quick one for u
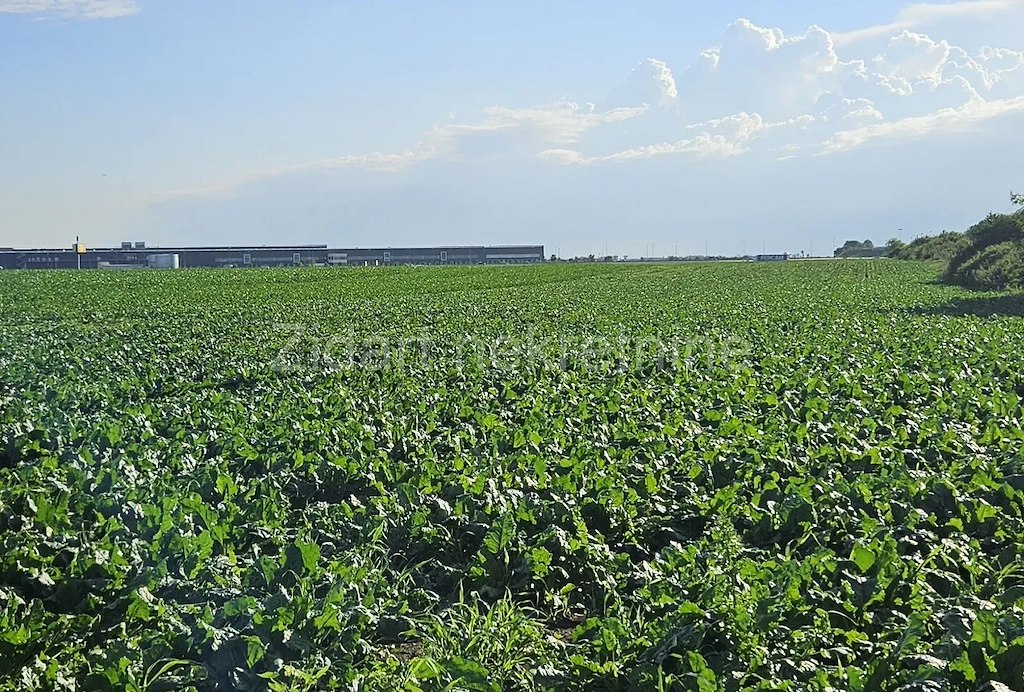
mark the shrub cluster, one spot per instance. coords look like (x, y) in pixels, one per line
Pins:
(988, 256)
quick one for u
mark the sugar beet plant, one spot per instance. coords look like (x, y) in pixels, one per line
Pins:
(712, 477)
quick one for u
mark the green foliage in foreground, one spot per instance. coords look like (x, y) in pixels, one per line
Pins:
(820, 485)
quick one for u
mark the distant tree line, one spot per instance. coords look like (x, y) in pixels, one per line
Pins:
(858, 248)
(989, 255)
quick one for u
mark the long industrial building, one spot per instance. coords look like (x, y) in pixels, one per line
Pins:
(137, 255)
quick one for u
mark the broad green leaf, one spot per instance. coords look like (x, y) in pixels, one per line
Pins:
(863, 557)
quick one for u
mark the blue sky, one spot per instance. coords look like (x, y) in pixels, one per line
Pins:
(581, 125)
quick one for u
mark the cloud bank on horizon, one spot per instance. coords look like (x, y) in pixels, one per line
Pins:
(800, 127)
(758, 90)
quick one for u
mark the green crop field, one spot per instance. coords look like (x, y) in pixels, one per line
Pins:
(594, 477)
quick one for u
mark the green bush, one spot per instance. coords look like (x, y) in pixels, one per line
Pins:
(993, 259)
(995, 229)
(996, 267)
(942, 247)
(989, 256)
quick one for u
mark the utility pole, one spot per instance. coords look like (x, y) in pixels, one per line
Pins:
(78, 254)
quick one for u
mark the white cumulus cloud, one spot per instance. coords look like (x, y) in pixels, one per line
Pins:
(761, 70)
(757, 94)
(651, 83)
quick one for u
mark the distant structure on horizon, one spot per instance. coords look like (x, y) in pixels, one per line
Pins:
(138, 256)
